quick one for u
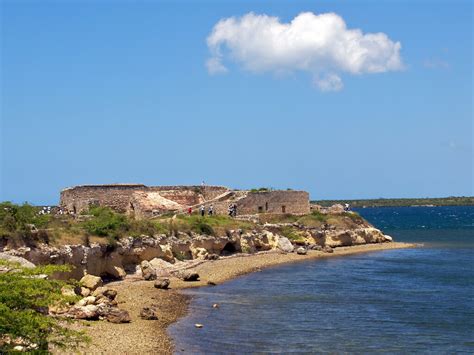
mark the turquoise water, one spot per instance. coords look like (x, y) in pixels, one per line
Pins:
(397, 301)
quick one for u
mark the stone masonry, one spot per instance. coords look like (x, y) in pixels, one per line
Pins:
(148, 201)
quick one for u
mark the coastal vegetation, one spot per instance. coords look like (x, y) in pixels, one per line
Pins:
(25, 296)
(25, 225)
(401, 202)
(101, 244)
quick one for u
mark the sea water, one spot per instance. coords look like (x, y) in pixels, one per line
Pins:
(397, 301)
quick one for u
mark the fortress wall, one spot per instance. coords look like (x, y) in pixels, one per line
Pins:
(120, 196)
(189, 195)
(277, 202)
(79, 198)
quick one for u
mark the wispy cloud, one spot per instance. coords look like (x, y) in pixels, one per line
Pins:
(321, 45)
(436, 63)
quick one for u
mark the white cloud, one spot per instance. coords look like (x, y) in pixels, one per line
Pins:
(436, 63)
(215, 66)
(319, 44)
(329, 82)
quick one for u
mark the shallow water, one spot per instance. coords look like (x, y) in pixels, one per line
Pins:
(396, 301)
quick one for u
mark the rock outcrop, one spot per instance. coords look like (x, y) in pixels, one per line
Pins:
(91, 282)
(160, 255)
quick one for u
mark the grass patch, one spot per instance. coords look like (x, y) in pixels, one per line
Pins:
(292, 234)
(277, 218)
(210, 225)
(314, 220)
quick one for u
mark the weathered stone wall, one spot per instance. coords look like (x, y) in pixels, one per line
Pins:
(79, 198)
(126, 197)
(189, 195)
(276, 202)
(145, 201)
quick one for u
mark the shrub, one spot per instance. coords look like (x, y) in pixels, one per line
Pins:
(105, 222)
(24, 298)
(292, 234)
(15, 219)
(314, 219)
(203, 228)
(261, 189)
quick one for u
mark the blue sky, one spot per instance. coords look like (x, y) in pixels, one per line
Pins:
(103, 92)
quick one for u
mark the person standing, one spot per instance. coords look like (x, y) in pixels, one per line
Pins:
(190, 211)
(203, 211)
(211, 210)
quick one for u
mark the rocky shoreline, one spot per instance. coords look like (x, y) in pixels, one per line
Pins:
(134, 294)
(128, 287)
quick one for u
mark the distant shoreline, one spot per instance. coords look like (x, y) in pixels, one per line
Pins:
(145, 336)
(401, 202)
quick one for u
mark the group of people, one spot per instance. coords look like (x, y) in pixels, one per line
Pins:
(202, 210)
(232, 210)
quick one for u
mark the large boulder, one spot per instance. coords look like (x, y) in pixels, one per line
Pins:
(285, 245)
(301, 251)
(116, 272)
(86, 301)
(161, 267)
(162, 283)
(148, 272)
(91, 282)
(148, 313)
(336, 209)
(188, 275)
(115, 315)
(328, 249)
(349, 237)
(105, 296)
(84, 312)
(105, 292)
(17, 260)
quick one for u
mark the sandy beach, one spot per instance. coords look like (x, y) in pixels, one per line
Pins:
(150, 336)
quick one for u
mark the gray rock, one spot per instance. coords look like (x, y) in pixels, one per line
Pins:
(16, 259)
(315, 247)
(84, 312)
(162, 283)
(211, 257)
(285, 245)
(91, 282)
(105, 292)
(301, 251)
(148, 272)
(148, 313)
(328, 249)
(115, 315)
(188, 275)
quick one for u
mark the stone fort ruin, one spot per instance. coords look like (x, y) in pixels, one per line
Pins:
(148, 201)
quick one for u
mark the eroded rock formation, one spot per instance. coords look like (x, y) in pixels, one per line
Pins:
(154, 256)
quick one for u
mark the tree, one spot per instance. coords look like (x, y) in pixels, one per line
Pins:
(25, 295)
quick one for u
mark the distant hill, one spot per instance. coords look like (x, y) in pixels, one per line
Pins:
(399, 202)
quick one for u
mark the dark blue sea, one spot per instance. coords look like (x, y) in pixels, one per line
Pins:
(397, 301)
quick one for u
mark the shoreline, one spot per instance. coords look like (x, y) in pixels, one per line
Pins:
(151, 336)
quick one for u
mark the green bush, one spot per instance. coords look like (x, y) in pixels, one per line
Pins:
(261, 189)
(24, 298)
(292, 234)
(106, 223)
(15, 219)
(203, 228)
